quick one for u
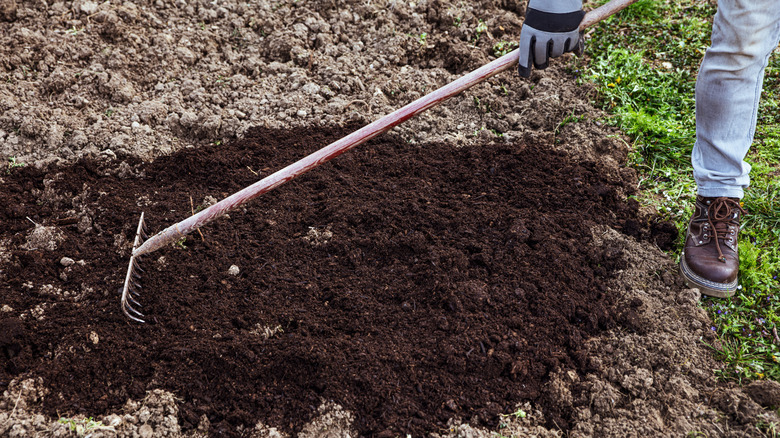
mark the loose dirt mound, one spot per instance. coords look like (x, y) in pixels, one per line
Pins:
(409, 284)
(86, 78)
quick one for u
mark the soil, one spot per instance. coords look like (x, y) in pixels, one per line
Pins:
(403, 282)
(483, 259)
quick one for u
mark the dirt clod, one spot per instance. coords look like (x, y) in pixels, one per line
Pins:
(765, 392)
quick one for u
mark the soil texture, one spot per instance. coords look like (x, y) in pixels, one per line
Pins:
(479, 270)
(409, 284)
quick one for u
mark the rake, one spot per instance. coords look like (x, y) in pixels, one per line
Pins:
(131, 287)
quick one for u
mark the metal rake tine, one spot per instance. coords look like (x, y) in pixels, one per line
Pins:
(127, 300)
(130, 284)
(133, 301)
(129, 311)
(137, 271)
(137, 264)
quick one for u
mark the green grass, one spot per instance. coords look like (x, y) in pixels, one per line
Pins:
(644, 62)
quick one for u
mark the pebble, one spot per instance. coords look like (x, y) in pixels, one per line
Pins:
(146, 431)
(233, 270)
(186, 55)
(301, 113)
(311, 88)
(112, 420)
(67, 261)
(89, 7)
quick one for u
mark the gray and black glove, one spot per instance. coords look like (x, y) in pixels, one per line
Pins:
(551, 28)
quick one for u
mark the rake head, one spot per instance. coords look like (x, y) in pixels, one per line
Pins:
(134, 271)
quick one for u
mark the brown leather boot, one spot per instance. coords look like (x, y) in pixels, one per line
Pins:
(710, 259)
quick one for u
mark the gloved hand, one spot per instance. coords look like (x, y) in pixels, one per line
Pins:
(551, 28)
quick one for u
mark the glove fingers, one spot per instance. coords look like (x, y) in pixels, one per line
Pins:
(524, 71)
(526, 60)
(537, 48)
(558, 48)
(541, 53)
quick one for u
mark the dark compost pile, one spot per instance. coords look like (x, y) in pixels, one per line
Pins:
(408, 283)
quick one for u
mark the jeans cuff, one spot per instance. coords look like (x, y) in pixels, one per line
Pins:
(716, 192)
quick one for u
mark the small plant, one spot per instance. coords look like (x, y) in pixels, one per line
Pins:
(501, 48)
(482, 106)
(770, 429)
(181, 243)
(457, 21)
(25, 71)
(570, 118)
(74, 30)
(517, 414)
(480, 29)
(423, 39)
(84, 426)
(12, 163)
(109, 112)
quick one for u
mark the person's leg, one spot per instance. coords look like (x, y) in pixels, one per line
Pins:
(728, 88)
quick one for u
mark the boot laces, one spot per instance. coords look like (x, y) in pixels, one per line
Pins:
(719, 215)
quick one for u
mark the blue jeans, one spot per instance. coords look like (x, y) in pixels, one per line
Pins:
(744, 34)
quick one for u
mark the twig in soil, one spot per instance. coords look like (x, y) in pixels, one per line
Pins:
(192, 208)
(67, 221)
(368, 107)
(19, 397)
(774, 333)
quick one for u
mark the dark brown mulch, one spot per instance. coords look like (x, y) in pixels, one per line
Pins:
(454, 283)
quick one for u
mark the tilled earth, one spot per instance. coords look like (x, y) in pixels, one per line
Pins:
(482, 269)
(409, 284)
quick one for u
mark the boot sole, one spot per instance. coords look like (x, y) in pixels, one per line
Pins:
(707, 287)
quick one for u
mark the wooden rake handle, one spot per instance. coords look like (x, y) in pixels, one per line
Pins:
(181, 229)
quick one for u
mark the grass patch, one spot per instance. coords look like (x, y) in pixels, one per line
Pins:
(644, 63)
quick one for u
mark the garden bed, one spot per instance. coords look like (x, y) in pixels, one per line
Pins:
(483, 259)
